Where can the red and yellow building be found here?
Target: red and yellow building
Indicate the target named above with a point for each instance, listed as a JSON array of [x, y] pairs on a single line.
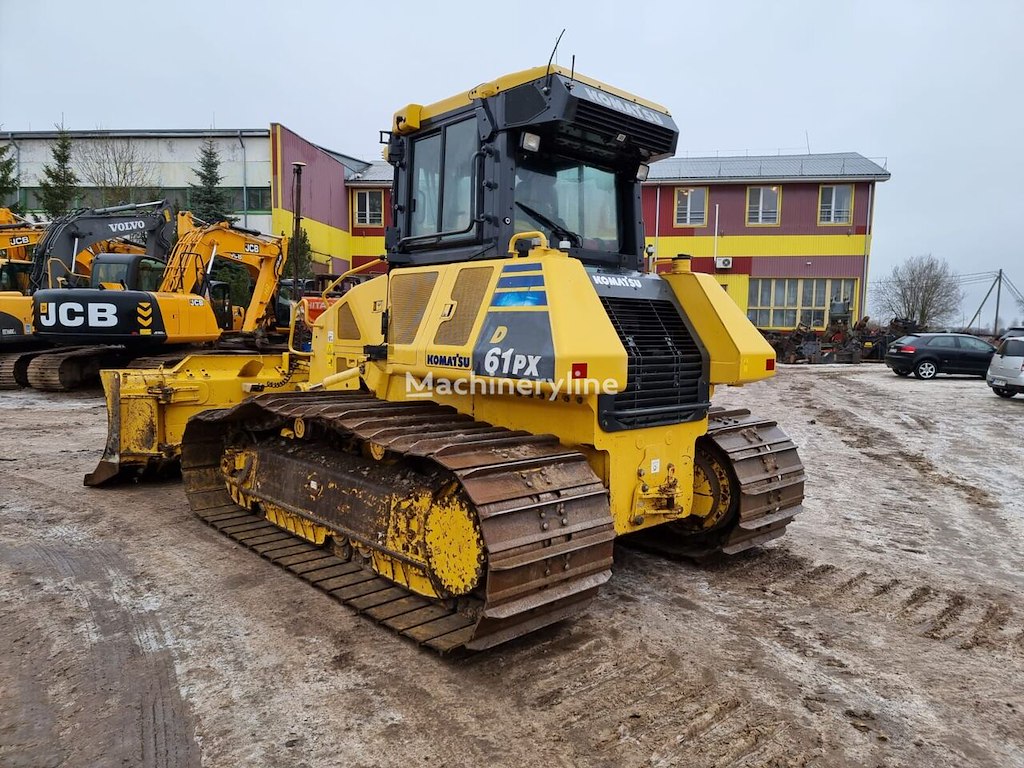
[[785, 235]]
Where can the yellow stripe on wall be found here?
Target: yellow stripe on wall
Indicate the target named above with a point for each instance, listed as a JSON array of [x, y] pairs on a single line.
[[762, 245], [325, 240], [367, 245]]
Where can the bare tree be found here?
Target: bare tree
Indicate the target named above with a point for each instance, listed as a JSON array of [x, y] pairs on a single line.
[[119, 169], [922, 288]]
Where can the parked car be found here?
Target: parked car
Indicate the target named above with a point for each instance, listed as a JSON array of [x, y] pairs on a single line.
[[928, 354], [1006, 371], [1012, 332]]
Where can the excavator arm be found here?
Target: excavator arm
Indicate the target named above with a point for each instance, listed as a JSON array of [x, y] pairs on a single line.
[[263, 257], [18, 236], [55, 254]]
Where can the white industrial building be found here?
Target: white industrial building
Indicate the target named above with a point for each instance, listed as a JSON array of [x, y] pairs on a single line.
[[167, 160]]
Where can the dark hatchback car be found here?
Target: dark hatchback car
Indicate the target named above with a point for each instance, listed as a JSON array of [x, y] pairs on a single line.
[[927, 354]]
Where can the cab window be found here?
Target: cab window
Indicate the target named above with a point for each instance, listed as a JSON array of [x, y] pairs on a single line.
[[442, 181], [151, 272]]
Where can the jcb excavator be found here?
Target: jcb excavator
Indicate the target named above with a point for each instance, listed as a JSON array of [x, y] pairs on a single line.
[[483, 421], [64, 256], [18, 236], [108, 325]]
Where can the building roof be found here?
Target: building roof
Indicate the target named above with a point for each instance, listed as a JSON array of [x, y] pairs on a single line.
[[178, 133], [849, 166], [379, 173]]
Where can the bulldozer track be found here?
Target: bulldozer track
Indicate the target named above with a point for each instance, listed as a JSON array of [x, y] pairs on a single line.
[[770, 474], [770, 480], [542, 512]]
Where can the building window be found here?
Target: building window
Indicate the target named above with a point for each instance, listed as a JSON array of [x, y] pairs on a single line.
[[691, 206], [370, 207], [763, 205], [835, 204], [259, 198], [784, 303]]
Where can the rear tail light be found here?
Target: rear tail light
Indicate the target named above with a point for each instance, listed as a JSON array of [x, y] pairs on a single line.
[[907, 349], [769, 364]]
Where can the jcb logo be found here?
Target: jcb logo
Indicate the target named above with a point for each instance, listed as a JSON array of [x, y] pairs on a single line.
[[22, 240], [252, 248], [71, 314]]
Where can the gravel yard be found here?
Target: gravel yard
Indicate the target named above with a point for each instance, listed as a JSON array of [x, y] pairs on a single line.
[[885, 629]]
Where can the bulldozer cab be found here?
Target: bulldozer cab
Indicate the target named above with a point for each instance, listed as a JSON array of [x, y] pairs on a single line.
[[540, 150]]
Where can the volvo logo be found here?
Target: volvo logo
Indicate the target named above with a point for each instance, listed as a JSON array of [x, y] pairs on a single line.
[[127, 226]]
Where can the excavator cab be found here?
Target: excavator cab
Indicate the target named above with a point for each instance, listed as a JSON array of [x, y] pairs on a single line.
[[223, 309], [126, 272], [14, 276]]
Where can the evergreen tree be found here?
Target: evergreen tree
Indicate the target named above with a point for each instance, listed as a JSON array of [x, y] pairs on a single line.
[[210, 202], [8, 181], [302, 252], [58, 185]]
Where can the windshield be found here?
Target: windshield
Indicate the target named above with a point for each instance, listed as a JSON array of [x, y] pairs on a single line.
[[14, 276], [577, 198], [108, 272]]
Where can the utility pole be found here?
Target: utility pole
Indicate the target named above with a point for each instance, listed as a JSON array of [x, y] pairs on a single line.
[[297, 200], [999, 289]]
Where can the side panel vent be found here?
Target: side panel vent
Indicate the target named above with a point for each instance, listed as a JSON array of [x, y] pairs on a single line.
[[410, 294], [468, 295]]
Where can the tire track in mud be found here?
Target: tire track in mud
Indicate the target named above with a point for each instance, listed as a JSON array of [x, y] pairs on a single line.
[[864, 438], [965, 619], [113, 688], [657, 711]]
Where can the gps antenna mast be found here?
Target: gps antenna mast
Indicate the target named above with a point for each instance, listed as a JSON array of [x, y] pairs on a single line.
[[547, 73]]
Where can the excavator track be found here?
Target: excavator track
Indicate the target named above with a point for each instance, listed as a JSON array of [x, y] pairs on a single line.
[[764, 467], [13, 369], [541, 512], [65, 369], [14, 366]]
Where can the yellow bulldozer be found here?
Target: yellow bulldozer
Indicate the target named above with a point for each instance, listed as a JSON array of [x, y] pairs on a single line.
[[471, 431]]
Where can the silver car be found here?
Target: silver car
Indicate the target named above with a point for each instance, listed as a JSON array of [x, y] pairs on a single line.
[[1006, 371]]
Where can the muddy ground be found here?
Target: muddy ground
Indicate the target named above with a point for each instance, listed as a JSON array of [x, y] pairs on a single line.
[[885, 629]]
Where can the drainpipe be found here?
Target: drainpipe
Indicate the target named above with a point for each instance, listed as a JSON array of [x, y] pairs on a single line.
[[867, 250], [245, 186], [17, 164], [716, 235], [657, 225]]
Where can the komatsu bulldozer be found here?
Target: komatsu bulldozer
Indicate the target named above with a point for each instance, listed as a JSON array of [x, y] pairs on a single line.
[[477, 426], [106, 325]]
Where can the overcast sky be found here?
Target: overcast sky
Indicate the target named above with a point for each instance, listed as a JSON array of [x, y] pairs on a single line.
[[932, 90]]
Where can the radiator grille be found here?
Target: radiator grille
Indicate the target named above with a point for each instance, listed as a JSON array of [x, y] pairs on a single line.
[[665, 381]]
